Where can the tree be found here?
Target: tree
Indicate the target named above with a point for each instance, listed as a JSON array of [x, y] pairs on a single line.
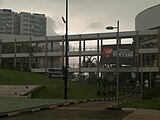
[[124, 80], [108, 83], [31, 50], [90, 62], [27, 48]]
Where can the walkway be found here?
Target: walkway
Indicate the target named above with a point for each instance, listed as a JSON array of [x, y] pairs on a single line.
[[93, 110], [18, 90], [11, 105], [144, 114]]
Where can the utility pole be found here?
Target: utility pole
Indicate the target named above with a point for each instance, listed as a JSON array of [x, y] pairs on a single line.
[[66, 55]]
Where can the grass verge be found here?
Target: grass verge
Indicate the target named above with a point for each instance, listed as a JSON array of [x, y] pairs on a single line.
[[153, 103], [53, 88]]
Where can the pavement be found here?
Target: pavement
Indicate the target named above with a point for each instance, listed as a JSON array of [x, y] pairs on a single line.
[[18, 91], [143, 114], [15, 106], [84, 110]]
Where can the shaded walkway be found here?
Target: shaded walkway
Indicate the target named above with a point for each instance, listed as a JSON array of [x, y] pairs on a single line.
[[16, 104], [144, 114], [18, 90]]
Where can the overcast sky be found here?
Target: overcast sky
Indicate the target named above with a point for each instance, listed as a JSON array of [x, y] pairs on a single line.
[[85, 16]]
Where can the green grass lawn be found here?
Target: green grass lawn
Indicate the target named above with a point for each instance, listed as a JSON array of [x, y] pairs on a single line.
[[153, 103], [53, 88]]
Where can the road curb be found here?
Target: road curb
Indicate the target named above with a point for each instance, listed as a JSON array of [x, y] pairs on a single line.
[[40, 108], [120, 108]]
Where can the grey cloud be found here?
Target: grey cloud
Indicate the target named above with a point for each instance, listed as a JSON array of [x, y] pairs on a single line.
[[95, 26], [2, 3], [82, 12]]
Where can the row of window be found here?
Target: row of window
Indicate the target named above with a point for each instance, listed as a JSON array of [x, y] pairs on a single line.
[[23, 21]]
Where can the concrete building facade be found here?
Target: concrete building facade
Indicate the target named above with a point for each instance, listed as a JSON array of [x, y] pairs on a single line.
[[32, 24], [148, 19], [50, 50], [23, 23], [9, 22]]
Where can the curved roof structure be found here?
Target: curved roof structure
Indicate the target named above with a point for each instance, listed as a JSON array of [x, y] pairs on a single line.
[[148, 19]]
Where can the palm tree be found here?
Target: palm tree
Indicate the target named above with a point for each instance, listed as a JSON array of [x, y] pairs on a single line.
[[108, 82], [89, 62], [28, 48], [31, 50]]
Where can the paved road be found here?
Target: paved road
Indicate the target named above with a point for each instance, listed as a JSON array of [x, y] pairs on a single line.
[[84, 111]]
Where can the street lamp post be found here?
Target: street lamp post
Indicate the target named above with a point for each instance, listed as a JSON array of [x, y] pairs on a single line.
[[66, 53], [117, 60]]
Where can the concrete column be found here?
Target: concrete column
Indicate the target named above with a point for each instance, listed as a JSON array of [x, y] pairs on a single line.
[[36, 64], [30, 57], [101, 44], [98, 55], [0, 52], [15, 51], [46, 55], [137, 52], [52, 46], [145, 60], [51, 58], [150, 74], [52, 62], [101, 54], [80, 49], [62, 51], [159, 50], [84, 48], [141, 59]]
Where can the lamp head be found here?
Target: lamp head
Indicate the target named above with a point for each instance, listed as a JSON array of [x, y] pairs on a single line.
[[110, 28]]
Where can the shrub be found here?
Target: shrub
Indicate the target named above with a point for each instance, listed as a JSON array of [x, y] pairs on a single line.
[[155, 93], [146, 94]]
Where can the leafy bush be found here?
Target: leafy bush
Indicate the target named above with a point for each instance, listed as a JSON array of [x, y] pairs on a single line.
[[155, 92], [146, 94]]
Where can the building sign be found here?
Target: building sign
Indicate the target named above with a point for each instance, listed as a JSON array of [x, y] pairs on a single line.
[[55, 73], [109, 54]]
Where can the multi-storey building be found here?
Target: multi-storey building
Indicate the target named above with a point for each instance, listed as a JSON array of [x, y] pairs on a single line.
[[7, 21], [148, 19], [23, 23], [50, 53], [32, 24], [30, 52]]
